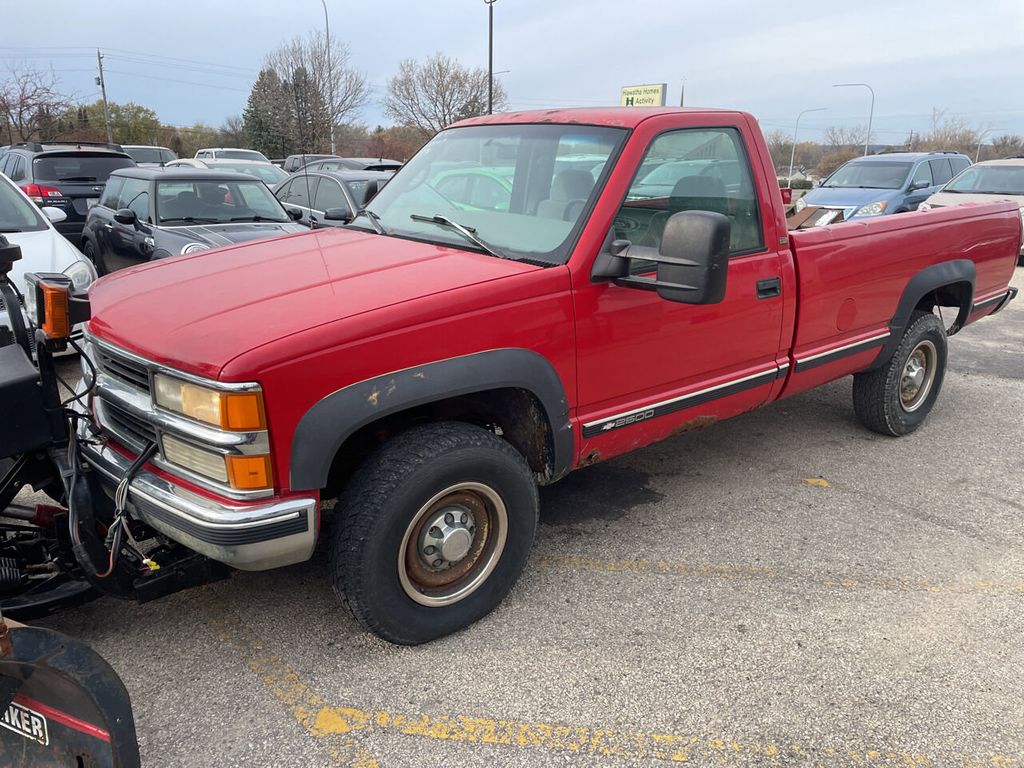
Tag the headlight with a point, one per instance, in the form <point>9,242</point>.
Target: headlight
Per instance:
<point>800,205</point>
<point>235,411</point>
<point>194,247</point>
<point>82,273</point>
<point>873,209</point>
<point>924,206</point>
<point>202,462</point>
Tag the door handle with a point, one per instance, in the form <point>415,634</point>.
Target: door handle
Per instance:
<point>108,225</point>
<point>770,288</point>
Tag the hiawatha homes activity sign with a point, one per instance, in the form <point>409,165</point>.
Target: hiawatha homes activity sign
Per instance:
<point>644,95</point>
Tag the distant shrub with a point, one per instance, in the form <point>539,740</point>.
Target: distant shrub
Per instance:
<point>797,184</point>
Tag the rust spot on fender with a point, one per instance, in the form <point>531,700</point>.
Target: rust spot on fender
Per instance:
<point>699,422</point>
<point>591,458</point>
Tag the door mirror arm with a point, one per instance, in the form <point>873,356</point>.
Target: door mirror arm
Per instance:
<point>612,261</point>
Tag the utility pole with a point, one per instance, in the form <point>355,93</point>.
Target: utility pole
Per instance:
<point>490,56</point>
<point>102,83</point>
<point>330,74</point>
<point>682,94</point>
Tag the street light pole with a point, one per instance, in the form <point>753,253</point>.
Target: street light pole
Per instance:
<point>871,114</point>
<point>330,74</point>
<point>490,56</point>
<point>792,153</point>
<point>981,138</point>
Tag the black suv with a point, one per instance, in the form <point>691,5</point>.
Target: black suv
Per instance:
<point>153,213</point>
<point>67,176</point>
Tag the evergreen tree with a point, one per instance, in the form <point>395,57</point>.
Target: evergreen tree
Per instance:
<point>268,118</point>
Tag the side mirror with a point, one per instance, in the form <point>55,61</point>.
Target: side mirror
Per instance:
<point>915,186</point>
<point>55,215</point>
<point>125,216</point>
<point>294,214</point>
<point>372,188</point>
<point>338,214</point>
<point>692,262</point>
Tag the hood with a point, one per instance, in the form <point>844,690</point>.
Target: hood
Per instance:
<point>841,197</point>
<point>43,251</point>
<point>198,312</point>
<point>216,235</point>
<point>942,199</point>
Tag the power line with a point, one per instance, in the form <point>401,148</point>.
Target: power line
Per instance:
<point>175,80</point>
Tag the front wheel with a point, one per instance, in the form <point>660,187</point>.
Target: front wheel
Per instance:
<point>433,531</point>
<point>92,254</point>
<point>895,399</point>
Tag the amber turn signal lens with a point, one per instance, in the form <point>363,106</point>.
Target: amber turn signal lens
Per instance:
<point>243,411</point>
<point>56,321</point>
<point>250,473</point>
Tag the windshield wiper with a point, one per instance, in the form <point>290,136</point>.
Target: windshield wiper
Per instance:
<point>77,178</point>
<point>374,220</point>
<point>467,232</point>
<point>191,220</point>
<point>257,217</point>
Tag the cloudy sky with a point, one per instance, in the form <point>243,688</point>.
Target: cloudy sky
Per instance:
<point>966,58</point>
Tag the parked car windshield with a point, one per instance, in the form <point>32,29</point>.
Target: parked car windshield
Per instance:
<point>989,179</point>
<point>216,202</point>
<point>78,167</point>
<point>865,174</point>
<point>240,154</point>
<point>16,213</point>
<point>150,154</point>
<point>271,174</point>
<point>535,216</point>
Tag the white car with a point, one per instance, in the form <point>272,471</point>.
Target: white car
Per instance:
<point>43,249</point>
<point>230,153</point>
<point>268,173</point>
<point>983,183</point>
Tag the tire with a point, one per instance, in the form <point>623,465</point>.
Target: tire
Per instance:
<point>93,255</point>
<point>446,475</point>
<point>896,398</point>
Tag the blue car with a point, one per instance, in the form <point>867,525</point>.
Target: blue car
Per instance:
<point>877,185</point>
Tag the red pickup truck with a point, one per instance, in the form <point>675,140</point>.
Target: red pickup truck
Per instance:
<point>532,293</point>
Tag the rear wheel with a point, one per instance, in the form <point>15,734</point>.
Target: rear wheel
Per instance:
<point>896,398</point>
<point>433,531</point>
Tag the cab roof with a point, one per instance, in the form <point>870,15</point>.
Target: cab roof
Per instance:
<point>614,117</point>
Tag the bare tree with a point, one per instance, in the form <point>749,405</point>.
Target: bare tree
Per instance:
<point>950,133</point>
<point>232,131</point>
<point>440,91</point>
<point>343,89</point>
<point>30,103</point>
<point>839,137</point>
<point>1007,145</point>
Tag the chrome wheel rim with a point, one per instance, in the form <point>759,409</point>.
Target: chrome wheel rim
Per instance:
<point>918,376</point>
<point>452,544</point>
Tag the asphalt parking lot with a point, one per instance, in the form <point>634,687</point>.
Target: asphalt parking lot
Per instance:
<point>784,588</point>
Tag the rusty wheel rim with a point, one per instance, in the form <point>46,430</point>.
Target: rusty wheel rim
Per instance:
<point>918,376</point>
<point>452,544</point>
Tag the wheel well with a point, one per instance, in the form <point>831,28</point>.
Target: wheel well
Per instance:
<point>959,295</point>
<point>511,413</point>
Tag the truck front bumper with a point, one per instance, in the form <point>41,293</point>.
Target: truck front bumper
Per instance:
<point>247,536</point>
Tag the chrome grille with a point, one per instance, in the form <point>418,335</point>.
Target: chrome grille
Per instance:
<point>128,428</point>
<point>123,368</point>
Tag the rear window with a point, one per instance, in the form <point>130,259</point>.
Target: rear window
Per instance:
<point>240,154</point>
<point>150,155</point>
<point>16,213</point>
<point>78,167</point>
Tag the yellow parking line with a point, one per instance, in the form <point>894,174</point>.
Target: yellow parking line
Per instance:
<point>343,728</point>
<point>280,679</point>
<point>963,585</point>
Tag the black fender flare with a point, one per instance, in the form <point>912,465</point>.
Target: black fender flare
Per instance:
<point>332,420</point>
<point>919,286</point>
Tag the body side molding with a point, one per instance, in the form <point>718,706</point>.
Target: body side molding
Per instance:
<point>333,419</point>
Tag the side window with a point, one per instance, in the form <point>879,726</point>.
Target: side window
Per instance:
<point>488,193</point>
<point>300,191</point>
<point>329,195</point>
<point>700,169</point>
<point>110,192</point>
<point>17,169</point>
<point>941,170</point>
<point>135,195</point>
<point>922,174</point>
<point>959,164</point>
<point>453,187</point>
<point>5,160</point>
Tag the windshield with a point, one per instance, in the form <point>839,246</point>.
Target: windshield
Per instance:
<point>16,213</point>
<point>240,154</point>
<point>216,202</point>
<point>78,166</point>
<point>150,154</point>
<point>271,174</point>
<point>502,182</point>
<point>989,179</point>
<point>865,174</point>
